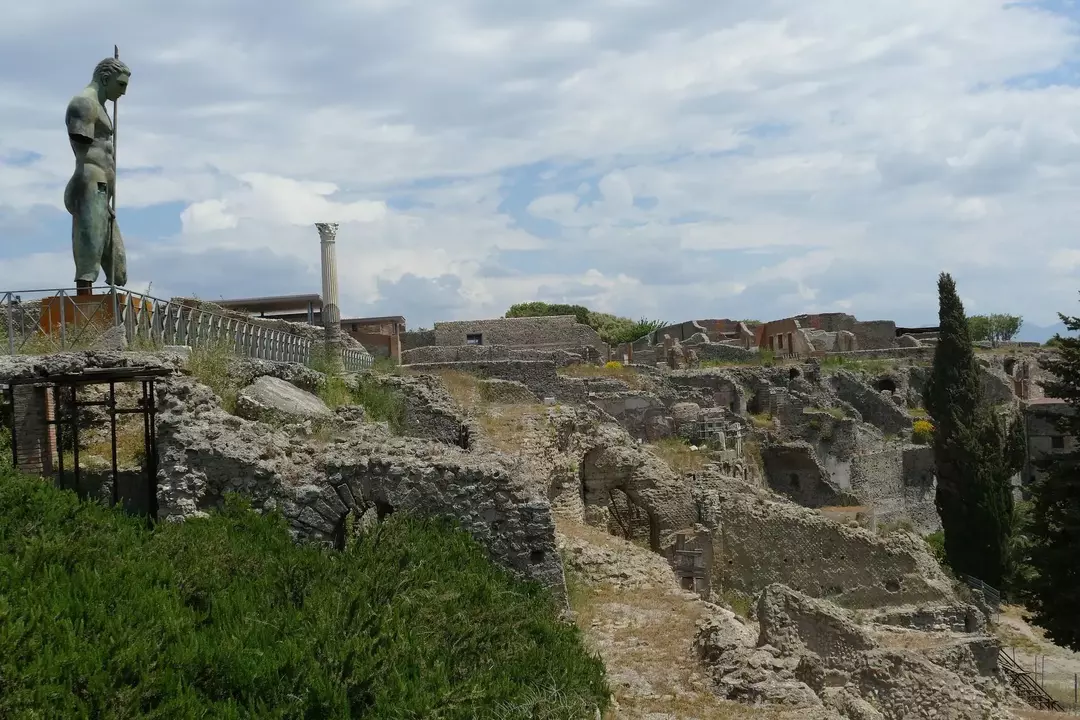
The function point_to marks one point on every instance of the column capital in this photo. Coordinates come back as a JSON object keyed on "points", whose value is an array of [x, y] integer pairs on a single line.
{"points": [[327, 231]]}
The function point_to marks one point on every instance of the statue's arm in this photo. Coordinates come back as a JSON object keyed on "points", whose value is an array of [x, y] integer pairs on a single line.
{"points": [[80, 121]]}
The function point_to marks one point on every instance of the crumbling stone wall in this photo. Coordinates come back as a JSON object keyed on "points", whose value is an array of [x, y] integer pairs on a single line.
{"points": [[900, 482], [484, 353], [720, 386], [429, 410], [206, 453], [793, 470], [556, 331], [875, 408], [642, 414], [762, 541], [539, 376]]}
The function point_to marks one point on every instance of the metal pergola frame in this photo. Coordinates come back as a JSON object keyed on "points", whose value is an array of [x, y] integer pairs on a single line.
{"points": [[66, 415]]}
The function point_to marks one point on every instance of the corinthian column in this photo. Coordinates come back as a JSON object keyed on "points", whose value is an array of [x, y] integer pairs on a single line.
{"points": [[331, 316]]}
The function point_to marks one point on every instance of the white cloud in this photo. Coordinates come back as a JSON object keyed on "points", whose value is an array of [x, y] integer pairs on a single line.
{"points": [[798, 155]]}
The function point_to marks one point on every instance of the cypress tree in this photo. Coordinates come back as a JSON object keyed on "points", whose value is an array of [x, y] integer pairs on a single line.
{"points": [[1053, 594], [975, 451]]}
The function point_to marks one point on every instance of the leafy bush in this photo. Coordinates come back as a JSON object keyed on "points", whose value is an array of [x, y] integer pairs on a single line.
{"points": [[922, 431], [226, 617], [936, 543], [381, 403], [613, 365]]}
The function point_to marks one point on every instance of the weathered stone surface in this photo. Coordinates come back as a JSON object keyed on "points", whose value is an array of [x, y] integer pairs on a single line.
{"points": [[850, 705], [975, 655], [509, 392], [429, 411], [875, 409], [810, 652], [244, 371], [270, 399], [29, 366], [903, 684], [810, 553], [793, 622], [951, 617], [205, 453]]}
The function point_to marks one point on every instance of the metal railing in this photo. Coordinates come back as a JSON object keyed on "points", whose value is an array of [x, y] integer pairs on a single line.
{"points": [[1026, 686], [56, 320], [990, 594]]}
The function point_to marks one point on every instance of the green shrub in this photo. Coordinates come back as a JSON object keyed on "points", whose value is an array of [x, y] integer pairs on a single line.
{"points": [[226, 617], [936, 542], [209, 365], [381, 403]]}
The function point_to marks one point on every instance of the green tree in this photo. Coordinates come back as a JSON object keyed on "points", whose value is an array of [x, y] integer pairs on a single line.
{"points": [[997, 327], [1003, 328], [1053, 592], [975, 449], [979, 328], [543, 309]]}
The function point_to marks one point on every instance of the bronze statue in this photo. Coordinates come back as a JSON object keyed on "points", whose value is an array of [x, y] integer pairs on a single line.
{"points": [[90, 193]]}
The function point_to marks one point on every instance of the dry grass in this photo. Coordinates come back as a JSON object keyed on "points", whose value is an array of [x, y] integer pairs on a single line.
{"points": [[509, 427], [678, 454], [463, 387], [761, 420], [627, 375], [646, 636], [1043, 715]]}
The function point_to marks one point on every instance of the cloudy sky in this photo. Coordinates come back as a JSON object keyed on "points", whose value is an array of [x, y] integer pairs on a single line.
{"points": [[671, 159]]}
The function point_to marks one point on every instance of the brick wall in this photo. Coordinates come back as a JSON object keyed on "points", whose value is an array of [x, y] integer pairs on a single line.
{"points": [[35, 438]]}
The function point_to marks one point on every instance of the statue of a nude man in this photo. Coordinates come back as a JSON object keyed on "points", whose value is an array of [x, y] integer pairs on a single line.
{"points": [[95, 237]]}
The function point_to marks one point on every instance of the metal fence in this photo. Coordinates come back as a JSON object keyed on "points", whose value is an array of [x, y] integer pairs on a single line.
{"points": [[55, 320]]}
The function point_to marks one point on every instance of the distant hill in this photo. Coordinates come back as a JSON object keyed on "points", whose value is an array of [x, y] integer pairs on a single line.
{"points": [[1039, 333]]}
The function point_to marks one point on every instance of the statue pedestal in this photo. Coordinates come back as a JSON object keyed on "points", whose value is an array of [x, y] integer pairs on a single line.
{"points": [[82, 312]]}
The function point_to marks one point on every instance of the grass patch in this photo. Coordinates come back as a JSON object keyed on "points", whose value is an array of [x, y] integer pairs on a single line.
{"points": [[677, 453], [763, 358], [463, 387], [613, 371], [380, 403], [209, 365], [898, 525], [740, 603], [509, 426], [226, 617], [761, 420], [871, 366]]}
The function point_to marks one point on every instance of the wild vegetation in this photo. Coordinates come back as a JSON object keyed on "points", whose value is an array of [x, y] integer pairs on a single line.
{"points": [[612, 329], [1053, 586], [975, 450], [994, 328], [228, 617]]}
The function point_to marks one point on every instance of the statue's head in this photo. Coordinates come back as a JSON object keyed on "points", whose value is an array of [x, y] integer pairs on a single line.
{"points": [[113, 76]]}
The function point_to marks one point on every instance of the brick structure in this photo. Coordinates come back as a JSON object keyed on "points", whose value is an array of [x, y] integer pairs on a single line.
{"points": [[380, 335], [34, 436]]}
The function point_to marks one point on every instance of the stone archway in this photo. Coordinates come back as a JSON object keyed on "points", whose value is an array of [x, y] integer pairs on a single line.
{"points": [[886, 384]]}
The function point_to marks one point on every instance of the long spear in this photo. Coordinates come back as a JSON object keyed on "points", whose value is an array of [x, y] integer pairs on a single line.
{"points": [[116, 56], [112, 200]]}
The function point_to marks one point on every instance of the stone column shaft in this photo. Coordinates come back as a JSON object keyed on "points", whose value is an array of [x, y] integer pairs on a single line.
{"points": [[331, 316]]}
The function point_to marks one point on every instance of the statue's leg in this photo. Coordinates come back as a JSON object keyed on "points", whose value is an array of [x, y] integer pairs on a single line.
{"points": [[89, 232], [114, 257]]}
